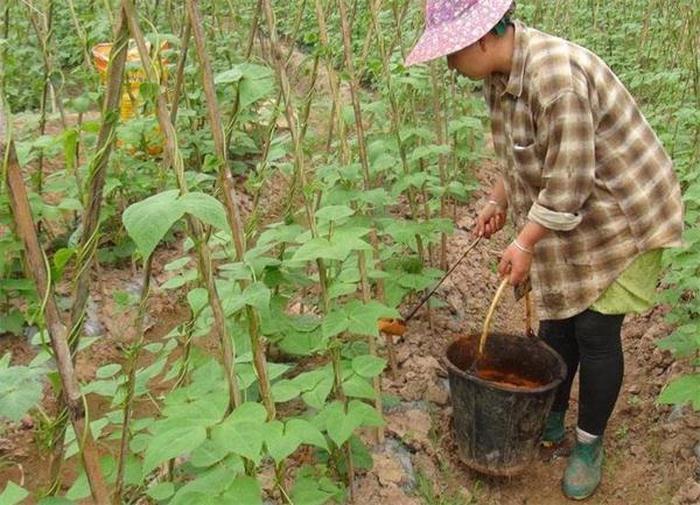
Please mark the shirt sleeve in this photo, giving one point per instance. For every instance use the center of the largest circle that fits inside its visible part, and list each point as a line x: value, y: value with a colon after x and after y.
x: 568, y: 169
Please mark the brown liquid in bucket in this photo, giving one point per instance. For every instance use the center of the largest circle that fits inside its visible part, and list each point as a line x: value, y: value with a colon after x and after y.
x: 500, y: 399
x: 511, y: 379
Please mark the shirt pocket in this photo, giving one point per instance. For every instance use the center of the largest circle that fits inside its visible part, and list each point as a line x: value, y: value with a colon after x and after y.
x: 527, y: 165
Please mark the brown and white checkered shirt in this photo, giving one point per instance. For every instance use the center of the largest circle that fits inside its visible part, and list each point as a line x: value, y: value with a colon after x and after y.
x: 580, y: 159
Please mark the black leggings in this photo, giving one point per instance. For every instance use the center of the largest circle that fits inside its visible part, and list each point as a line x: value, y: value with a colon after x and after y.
x: 592, y: 340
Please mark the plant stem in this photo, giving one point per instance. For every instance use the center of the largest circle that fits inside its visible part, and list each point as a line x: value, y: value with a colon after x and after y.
x: 132, y: 362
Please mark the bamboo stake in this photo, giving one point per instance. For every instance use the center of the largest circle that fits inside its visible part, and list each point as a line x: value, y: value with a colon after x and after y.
x: 364, y: 160
x: 85, y: 257
x: 396, y: 121
x: 3, y: 51
x: 440, y: 127
x: 334, y: 84
x: 43, y: 33
x: 173, y: 157
x: 37, y: 267
x: 97, y: 173
x: 180, y: 72
x: 230, y: 200
x: 81, y: 35
x: 299, y: 179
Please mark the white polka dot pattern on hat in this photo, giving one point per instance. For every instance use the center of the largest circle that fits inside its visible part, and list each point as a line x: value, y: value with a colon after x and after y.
x: 454, y: 24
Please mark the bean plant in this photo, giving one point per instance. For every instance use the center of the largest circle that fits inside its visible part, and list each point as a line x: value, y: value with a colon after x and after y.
x: 290, y: 289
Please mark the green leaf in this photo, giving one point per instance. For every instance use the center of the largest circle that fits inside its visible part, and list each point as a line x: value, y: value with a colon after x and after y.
x: 685, y: 389
x: 206, y: 489
x: 316, y: 397
x: 257, y: 295
x: 161, y: 491
x: 244, y: 491
x: 207, y: 454
x: 61, y: 259
x: 368, y: 366
x: 107, y: 371
x: 55, y: 500
x: 307, y: 432
x: 340, y: 425
x: 12, y: 322
x: 334, y: 323
x: 177, y: 264
x: 170, y: 444
x: 149, y: 220
x: 368, y: 414
x: 241, y: 432
x: 358, y: 387
x: 206, y: 208
x: 20, y: 389
x: 234, y: 74
x: 280, y: 444
x: 319, y: 247
x: 198, y: 298
x: 284, y: 390
x: 258, y: 82
x: 349, y: 238
x: 334, y: 212
x: 309, y: 490
x: 13, y: 494
x: 363, y: 317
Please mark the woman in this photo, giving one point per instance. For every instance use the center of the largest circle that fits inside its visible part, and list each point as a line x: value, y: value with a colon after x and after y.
x: 591, y: 193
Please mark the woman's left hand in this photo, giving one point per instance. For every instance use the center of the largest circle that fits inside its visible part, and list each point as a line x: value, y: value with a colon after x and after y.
x: 516, y: 264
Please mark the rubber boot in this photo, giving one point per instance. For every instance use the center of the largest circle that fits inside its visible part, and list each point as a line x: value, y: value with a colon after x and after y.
x: 554, y: 430
x: 583, y: 472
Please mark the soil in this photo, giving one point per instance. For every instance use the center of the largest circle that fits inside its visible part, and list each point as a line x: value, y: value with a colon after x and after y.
x: 652, y: 450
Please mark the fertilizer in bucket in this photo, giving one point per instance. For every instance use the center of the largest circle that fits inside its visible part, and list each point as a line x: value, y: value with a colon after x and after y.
x: 502, y: 387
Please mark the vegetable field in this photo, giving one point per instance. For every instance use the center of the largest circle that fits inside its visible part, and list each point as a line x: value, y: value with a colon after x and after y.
x: 206, y: 206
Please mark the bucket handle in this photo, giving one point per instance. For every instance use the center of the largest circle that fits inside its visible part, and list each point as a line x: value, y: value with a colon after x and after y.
x: 492, y: 309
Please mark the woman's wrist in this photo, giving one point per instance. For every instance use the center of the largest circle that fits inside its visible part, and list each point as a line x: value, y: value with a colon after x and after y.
x: 521, y: 247
x: 495, y: 201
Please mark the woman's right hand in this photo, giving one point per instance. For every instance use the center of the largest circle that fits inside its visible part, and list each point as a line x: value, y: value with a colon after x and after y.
x: 491, y: 219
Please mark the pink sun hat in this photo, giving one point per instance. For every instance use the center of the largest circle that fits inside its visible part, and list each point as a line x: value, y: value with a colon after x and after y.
x: 451, y: 25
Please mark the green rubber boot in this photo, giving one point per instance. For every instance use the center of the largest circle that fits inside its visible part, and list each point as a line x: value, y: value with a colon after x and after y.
x: 554, y: 430
x: 583, y: 472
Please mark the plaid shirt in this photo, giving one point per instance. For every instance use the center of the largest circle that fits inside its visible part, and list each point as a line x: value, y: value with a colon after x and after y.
x: 580, y: 159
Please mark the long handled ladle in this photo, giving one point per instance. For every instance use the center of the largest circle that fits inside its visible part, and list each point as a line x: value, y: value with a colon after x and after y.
x: 398, y: 326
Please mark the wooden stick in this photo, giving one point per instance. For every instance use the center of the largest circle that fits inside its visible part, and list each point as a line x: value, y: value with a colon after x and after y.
x: 36, y: 265
x: 230, y: 201
x: 97, y: 174
x: 528, y: 315
x: 364, y: 160
x: 97, y: 171
x: 174, y: 159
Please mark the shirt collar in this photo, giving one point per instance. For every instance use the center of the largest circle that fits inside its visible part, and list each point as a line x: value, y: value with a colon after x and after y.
x: 514, y: 86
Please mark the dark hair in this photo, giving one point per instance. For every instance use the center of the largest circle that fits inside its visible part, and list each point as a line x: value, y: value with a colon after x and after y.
x: 500, y: 29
